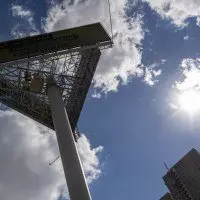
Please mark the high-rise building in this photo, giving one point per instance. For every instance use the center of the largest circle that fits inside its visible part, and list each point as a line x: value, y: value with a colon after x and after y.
x: 167, y: 197
x: 183, y: 179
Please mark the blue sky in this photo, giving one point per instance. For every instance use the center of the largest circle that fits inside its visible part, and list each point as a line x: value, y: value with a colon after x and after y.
x: 133, y: 116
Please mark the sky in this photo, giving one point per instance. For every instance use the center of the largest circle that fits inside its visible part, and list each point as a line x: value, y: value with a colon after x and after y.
x: 142, y: 109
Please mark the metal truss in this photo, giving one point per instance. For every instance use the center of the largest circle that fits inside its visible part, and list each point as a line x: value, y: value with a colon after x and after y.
x: 72, y: 70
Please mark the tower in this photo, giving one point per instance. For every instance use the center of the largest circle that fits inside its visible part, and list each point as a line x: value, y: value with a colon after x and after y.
x: 47, y: 77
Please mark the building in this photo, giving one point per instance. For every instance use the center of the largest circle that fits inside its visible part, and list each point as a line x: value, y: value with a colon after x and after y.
x: 167, y: 197
x: 183, y: 179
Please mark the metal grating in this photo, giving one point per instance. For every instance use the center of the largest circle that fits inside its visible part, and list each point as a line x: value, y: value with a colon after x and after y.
x: 72, y: 70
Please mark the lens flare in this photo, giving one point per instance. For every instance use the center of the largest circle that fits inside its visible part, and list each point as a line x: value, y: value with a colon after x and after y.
x: 189, y: 101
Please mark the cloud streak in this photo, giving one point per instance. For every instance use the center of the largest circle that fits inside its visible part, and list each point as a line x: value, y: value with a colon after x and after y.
x: 177, y: 11
x: 116, y: 65
x: 26, y: 26
x: 26, y: 150
x: 190, y: 69
x: 91, y: 164
x: 152, y: 72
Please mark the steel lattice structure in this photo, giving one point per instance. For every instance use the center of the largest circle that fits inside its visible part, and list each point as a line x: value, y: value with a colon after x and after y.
x: 46, y: 78
x: 69, y: 56
x: 73, y: 72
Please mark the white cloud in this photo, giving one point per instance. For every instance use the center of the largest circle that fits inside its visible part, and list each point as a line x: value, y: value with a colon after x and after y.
x: 187, y: 88
x: 96, y: 95
x: 186, y: 37
x: 24, y: 156
x: 17, y: 32
x: 26, y: 150
x: 19, y: 11
x: 91, y: 164
x: 150, y: 75
x: 28, y: 26
x: 152, y: 72
x: 177, y: 10
x: 190, y: 69
x: 116, y: 65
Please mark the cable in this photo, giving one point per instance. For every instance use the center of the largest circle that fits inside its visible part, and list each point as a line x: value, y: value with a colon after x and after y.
x: 51, y: 163
x: 111, y: 26
x: 75, y: 137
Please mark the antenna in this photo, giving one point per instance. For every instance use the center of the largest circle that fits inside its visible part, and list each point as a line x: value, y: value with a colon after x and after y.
x: 167, y: 168
x: 111, y: 26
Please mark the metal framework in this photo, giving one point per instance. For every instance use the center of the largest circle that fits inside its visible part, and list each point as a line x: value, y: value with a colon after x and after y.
x: 47, y: 78
x: 73, y: 71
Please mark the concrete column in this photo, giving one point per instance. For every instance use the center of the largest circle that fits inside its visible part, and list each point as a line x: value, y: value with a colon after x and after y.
x: 77, y: 186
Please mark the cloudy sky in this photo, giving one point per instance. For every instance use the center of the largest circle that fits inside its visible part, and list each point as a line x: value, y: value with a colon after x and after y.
x: 141, y: 111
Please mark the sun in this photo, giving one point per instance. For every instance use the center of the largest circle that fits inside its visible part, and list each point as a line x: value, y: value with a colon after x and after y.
x: 189, y: 101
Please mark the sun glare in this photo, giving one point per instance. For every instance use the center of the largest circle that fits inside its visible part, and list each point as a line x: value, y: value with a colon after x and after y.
x: 189, y: 101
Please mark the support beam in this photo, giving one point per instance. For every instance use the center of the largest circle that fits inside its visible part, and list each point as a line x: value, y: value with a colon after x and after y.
x: 77, y: 186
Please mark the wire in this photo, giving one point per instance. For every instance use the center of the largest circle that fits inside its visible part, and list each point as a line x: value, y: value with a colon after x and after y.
x: 51, y: 163
x: 111, y: 26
